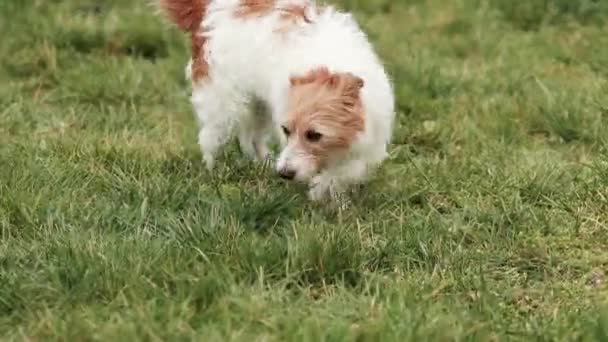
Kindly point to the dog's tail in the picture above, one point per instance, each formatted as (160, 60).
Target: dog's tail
(186, 14)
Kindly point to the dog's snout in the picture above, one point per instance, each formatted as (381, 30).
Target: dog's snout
(287, 174)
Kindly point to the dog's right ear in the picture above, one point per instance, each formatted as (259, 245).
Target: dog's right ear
(320, 75)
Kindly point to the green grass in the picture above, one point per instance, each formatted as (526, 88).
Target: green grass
(489, 221)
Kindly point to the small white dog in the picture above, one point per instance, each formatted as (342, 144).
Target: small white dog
(331, 101)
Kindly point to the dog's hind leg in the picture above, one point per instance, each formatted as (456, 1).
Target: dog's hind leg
(218, 111)
(254, 131)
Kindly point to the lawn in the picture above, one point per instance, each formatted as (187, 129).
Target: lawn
(489, 222)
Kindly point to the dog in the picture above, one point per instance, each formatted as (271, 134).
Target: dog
(329, 99)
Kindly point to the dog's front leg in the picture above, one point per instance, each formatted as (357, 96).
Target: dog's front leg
(319, 187)
(325, 187)
(335, 183)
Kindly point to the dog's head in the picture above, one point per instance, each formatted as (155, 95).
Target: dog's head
(325, 116)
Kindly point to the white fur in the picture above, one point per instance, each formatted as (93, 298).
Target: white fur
(253, 59)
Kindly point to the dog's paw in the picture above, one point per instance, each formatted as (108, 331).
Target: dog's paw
(341, 200)
(322, 189)
(318, 189)
(209, 163)
(267, 162)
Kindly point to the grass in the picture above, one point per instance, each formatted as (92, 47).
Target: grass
(489, 221)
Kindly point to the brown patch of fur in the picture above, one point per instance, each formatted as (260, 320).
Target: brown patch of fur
(188, 16)
(328, 103)
(295, 13)
(290, 14)
(254, 8)
(200, 66)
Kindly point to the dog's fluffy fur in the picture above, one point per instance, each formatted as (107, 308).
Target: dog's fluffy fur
(329, 98)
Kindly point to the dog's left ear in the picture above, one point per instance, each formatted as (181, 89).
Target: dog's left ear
(352, 84)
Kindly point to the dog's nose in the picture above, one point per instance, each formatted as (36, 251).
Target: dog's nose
(287, 174)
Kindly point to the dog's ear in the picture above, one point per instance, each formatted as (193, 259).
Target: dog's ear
(320, 75)
(346, 84)
(352, 85)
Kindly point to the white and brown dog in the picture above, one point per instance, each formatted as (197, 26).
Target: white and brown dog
(328, 95)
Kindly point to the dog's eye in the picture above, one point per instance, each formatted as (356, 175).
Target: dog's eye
(285, 131)
(313, 136)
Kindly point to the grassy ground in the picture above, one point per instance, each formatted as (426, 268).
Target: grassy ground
(489, 221)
